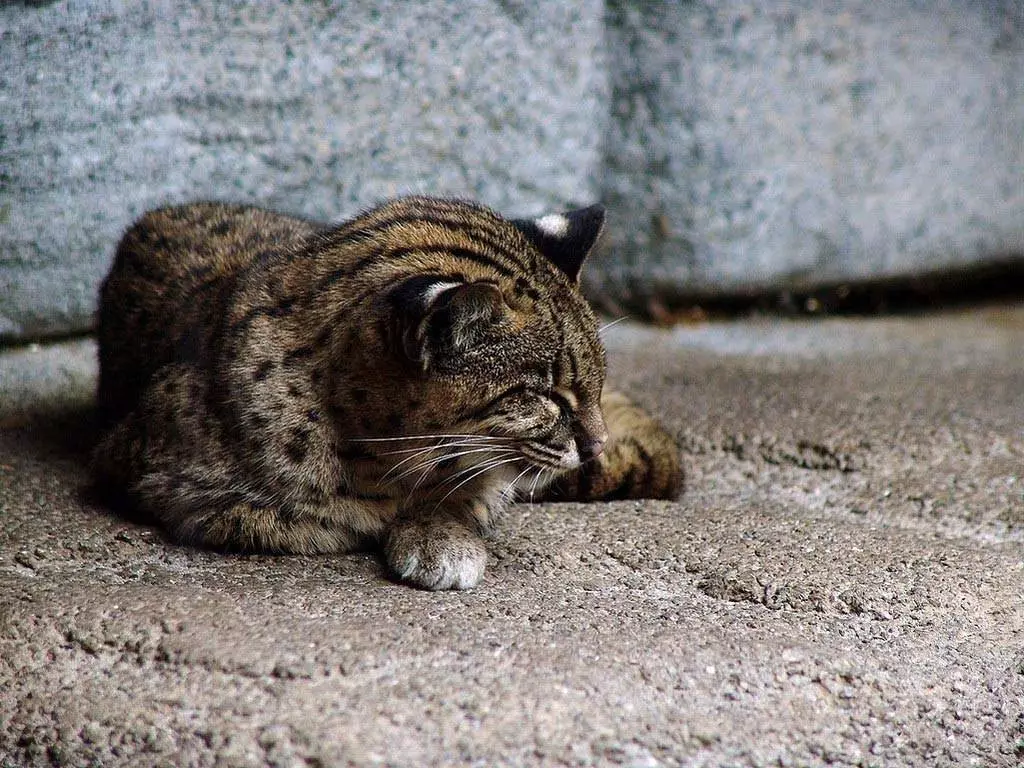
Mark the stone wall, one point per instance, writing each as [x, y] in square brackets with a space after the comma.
[739, 149]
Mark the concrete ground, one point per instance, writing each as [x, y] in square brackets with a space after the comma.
[841, 584]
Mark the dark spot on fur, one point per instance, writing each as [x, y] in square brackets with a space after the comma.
[446, 464]
[142, 318]
[266, 255]
[313, 415]
[258, 420]
[295, 355]
[523, 287]
[323, 338]
[299, 446]
[352, 343]
[286, 514]
[188, 345]
[294, 391]
[337, 412]
[414, 405]
[239, 535]
[198, 271]
[353, 453]
[221, 229]
[316, 376]
[366, 422]
[434, 425]
[359, 395]
[263, 370]
[395, 420]
[284, 308]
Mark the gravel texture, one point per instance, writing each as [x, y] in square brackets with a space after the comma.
[841, 584]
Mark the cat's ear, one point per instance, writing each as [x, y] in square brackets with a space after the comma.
[466, 311]
[432, 316]
[566, 239]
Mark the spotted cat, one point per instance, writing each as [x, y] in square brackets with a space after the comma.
[270, 384]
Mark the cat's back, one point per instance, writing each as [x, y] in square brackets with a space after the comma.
[171, 278]
[169, 251]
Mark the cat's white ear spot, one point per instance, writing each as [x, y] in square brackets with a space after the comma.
[553, 225]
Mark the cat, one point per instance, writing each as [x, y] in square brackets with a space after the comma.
[270, 384]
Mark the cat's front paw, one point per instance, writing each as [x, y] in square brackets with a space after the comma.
[435, 554]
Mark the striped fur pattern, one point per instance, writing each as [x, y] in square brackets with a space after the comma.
[272, 384]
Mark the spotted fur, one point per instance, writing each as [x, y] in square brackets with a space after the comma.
[273, 384]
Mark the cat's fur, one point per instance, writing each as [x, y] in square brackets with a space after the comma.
[272, 384]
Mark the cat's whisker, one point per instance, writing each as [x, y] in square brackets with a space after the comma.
[434, 461]
[606, 326]
[436, 446]
[510, 490]
[419, 481]
[496, 438]
[486, 468]
[416, 453]
[465, 470]
[533, 487]
[426, 473]
[419, 452]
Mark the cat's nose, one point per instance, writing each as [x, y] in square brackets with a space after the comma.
[590, 448]
[591, 433]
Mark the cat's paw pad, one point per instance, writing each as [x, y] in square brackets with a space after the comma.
[436, 554]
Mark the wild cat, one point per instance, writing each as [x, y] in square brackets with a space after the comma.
[270, 384]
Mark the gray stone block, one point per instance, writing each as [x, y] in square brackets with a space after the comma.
[320, 109]
[741, 147]
[764, 146]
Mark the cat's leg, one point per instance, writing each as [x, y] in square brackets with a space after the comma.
[640, 461]
[341, 526]
[206, 505]
[163, 454]
[438, 549]
[168, 459]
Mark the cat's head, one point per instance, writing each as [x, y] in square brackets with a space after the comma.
[501, 343]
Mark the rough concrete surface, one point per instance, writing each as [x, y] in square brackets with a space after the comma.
[841, 584]
[740, 145]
